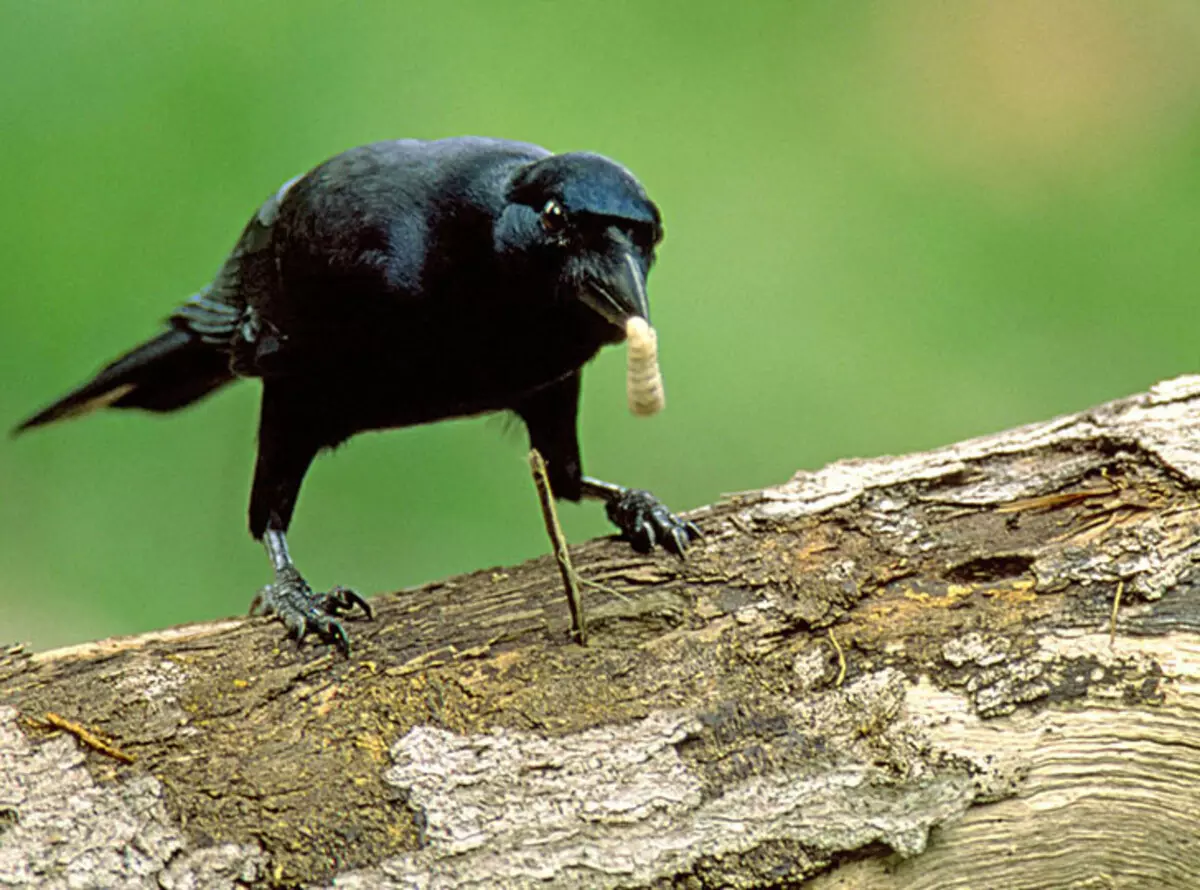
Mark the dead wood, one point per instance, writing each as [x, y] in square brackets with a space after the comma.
[891, 673]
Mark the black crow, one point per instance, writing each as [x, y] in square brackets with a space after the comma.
[401, 283]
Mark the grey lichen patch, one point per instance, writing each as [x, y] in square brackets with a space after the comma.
[218, 867]
[516, 808]
[887, 521]
[999, 675]
[150, 688]
[104, 836]
[990, 669]
[153, 679]
[956, 736]
[976, 648]
[617, 806]
[1001, 690]
[813, 668]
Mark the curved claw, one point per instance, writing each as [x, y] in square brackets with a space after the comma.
[645, 521]
[642, 536]
[335, 633]
[677, 541]
[341, 599]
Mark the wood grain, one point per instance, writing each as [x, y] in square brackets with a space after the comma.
[889, 673]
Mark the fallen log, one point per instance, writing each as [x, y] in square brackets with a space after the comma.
[975, 667]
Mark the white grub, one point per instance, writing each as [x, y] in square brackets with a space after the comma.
[643, 380]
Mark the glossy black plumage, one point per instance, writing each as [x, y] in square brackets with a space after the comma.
[402, 283]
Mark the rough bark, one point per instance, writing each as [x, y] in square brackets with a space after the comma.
[891, 673]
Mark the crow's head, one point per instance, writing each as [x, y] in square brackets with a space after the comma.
[587, 223]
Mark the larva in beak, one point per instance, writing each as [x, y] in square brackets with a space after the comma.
[643, 380]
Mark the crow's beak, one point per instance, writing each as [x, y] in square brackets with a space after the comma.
[615, 286]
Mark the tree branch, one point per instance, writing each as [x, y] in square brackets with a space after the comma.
[889, 673]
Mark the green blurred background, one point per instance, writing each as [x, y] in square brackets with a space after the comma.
[890, 226]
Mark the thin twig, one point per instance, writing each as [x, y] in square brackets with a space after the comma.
[841, 657]
[89, 738]
[1112, 621]
[558, 542]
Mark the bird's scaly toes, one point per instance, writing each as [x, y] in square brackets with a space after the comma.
[645, 521]
[290, 599]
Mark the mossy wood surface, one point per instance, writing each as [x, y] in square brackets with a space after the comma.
[891, 673]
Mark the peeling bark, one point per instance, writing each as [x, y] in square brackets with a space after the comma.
[891, 673]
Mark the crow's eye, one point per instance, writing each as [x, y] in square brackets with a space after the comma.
[646, 237]
[554, 218]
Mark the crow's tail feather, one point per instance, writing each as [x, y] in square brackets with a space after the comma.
[173, 370]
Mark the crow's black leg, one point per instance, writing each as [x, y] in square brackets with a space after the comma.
[642, 518]
[286, 448]
[550, 415]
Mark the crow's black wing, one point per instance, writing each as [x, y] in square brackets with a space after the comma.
[222, 314]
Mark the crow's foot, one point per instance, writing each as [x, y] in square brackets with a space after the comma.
[301, 610]
[645, 521]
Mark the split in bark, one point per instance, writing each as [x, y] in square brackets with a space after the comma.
[889, 673]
